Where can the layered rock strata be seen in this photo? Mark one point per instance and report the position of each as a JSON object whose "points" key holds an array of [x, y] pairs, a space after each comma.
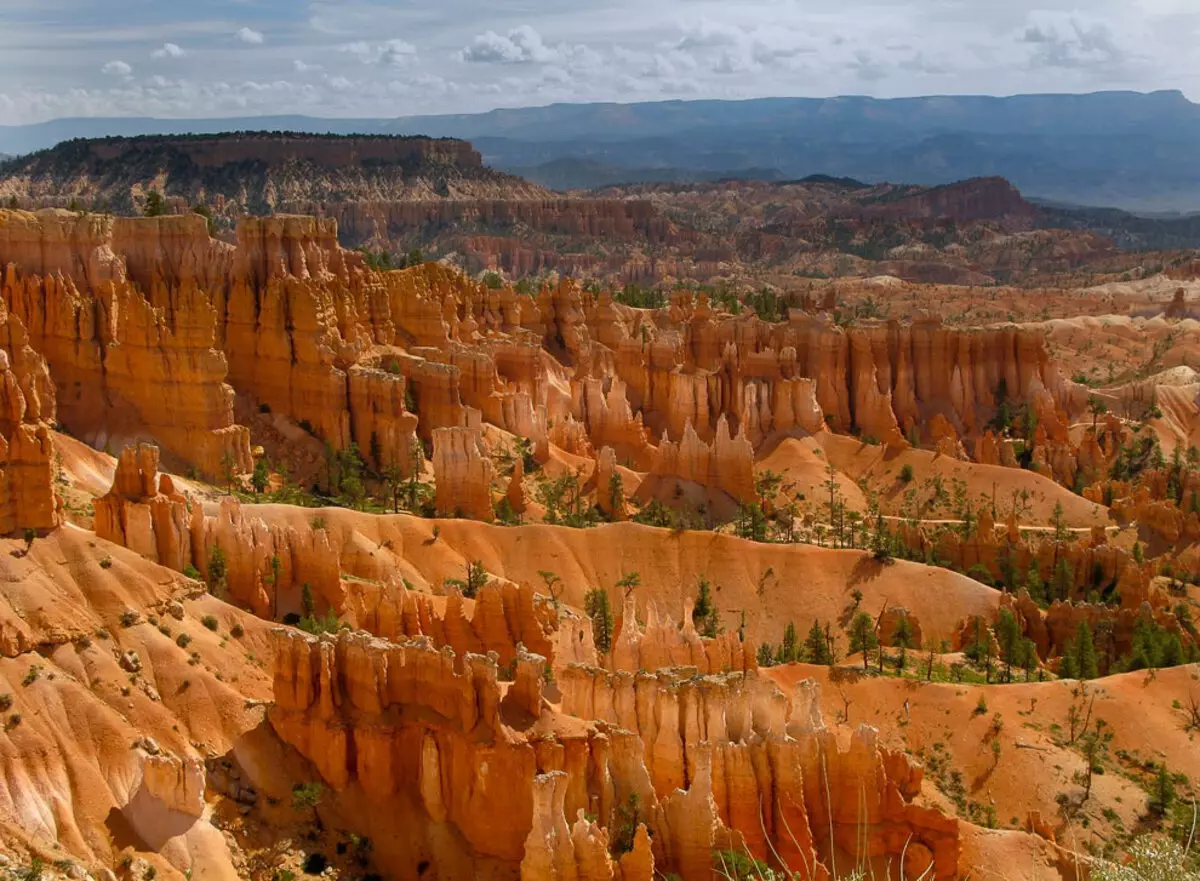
{"points": [[716, 762], [124, 312]]}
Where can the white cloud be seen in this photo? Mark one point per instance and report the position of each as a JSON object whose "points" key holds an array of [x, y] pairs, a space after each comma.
{"points": [[523, 45], [1069, 40], [482, 56], [168, 50], [726, 48], [389, 52]]}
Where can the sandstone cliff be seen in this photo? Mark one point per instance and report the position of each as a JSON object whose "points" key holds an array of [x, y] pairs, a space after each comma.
{"points": [[715, 762], [122, 311]]}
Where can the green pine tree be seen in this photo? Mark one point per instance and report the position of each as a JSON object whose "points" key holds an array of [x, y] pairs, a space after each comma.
{"points": [[1008, 634], [789, 649], [862, 635], [598, 607], [705, 616], [1035, 586], [1086, 664], [1064, 579], [816, 649]]}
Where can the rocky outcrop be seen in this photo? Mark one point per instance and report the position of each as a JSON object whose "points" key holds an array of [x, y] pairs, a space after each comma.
{"points": [[248, 550], [144, 512], [502, 618], [370, 183], [462, 473], [707, 762], [393, 717], [729, 764], [123, 312], [27, 407], [726, 464], [558, 851], [661, 643], [610, 491], [176, 782]]}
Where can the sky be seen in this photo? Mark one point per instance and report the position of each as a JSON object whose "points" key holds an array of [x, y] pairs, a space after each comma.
{"points": [[204, 58]]}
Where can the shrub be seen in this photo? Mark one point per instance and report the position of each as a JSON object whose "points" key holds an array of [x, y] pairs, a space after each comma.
{"points": [[190, 571], [217, 568], [6, 702], [31, 675], [106, 562], [317, 523], [1150, 858], [209, 621], [981, 706], [183, 640], [906, 474], [128, 618], [625, 825], [981, 574], [14, 720], [237, 631]]}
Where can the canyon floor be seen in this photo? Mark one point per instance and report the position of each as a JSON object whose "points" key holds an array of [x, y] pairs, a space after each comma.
{"points": [[317, 568]]}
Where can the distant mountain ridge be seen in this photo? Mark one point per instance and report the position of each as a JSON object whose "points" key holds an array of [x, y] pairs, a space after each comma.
{"points": [[255, 172], [1115, 149]]}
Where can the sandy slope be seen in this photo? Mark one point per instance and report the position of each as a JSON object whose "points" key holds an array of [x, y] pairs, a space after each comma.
{"points": [[68, 771], [943, 720], [881, 469], [798, 582]]}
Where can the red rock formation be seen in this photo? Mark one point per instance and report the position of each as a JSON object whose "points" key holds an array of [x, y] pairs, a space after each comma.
{"points": [[27, 405], [249, 547], [661, 643], [463, 473], [122, 311], [726, 464], [717, 762], [610, 494], [144, 513], [503, 617]]}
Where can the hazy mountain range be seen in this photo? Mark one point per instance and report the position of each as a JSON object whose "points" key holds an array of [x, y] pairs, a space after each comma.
{"points": [[1123, 149]]}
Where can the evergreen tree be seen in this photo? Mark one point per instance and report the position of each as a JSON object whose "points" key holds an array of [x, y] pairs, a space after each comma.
{"points": [[789, 649], [815, 646], [1085, 653], [766, 657], [1163, 794], [1064, 579], [1059, 521], [903, 638], [598, 607], [705, 616], [1029, 657], [862, 635], [1008, 634], [1035, 586], [156, 205], [261, 476]]}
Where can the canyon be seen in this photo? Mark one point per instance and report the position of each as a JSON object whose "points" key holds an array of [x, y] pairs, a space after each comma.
{"points": [[524, 581]]}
